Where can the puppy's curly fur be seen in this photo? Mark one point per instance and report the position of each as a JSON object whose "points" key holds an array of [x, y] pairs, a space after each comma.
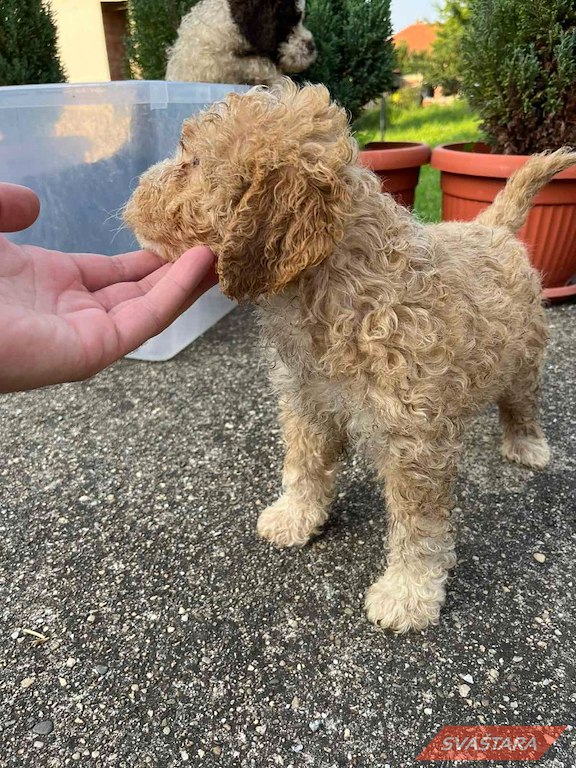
{"points": [[384, 331], [241, 41]]}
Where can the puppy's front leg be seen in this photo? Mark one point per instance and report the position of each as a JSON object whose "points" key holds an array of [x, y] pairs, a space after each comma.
{"points": [[310, 466], [418, 479]]}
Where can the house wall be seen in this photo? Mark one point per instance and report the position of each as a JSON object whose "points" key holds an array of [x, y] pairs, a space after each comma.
{"points": [[81, 40]]}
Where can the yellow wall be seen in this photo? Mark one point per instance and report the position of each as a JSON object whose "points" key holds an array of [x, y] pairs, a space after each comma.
{"points": [[81, 40]]}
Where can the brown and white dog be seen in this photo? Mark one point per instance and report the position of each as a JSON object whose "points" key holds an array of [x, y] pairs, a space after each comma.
{"points": [[384, 331], [241, 41]]}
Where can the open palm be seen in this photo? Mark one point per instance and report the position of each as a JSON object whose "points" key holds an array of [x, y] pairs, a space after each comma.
{"points": [[64, 316]]}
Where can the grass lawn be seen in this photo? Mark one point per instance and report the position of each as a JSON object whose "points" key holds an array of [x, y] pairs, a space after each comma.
{"points": [[432, 125]]}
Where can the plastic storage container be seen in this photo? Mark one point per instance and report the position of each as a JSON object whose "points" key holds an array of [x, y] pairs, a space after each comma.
{"points": [[82, 149]]}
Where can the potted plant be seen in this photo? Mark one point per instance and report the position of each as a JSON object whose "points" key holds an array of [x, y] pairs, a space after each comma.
{"points": [[398, 166], [519, 66]]}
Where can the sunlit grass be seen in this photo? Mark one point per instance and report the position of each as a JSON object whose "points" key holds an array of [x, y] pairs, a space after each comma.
{"points": [[432, 125]]}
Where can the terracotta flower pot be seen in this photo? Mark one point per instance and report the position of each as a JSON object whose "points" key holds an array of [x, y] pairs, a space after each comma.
{"points": [[398, 166], [470, 180]]}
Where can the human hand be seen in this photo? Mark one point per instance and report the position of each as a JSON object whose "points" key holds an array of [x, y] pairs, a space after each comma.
{"points": [[66, 316]]}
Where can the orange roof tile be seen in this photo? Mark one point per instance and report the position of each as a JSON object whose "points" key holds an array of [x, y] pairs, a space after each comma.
{"points": [[418, 36]]}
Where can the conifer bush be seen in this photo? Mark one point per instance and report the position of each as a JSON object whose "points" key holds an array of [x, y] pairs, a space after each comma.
{"points": [[519, 68], [355, 51], [28, 44]]}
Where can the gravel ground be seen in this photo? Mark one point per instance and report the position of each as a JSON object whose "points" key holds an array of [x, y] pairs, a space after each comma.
{"points": [[173, 637]]}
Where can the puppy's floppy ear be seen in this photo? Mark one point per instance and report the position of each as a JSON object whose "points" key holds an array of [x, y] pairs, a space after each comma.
{"points": [[293, 212], [285, 222]]}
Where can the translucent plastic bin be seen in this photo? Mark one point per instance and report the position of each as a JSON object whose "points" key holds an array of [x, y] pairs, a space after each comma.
{"points": [[82, 149]]}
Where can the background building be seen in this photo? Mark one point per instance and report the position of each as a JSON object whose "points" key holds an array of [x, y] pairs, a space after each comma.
{"points": [[91, 38]]}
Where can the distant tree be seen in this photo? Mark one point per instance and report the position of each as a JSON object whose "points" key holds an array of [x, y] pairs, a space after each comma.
{"points": [[446, 56], [355, 50], [153, 27], [412, 62], [28, 44]]}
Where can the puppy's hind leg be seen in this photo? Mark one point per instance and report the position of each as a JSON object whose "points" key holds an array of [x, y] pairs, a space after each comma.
{"points": [[310, 467], [418, 473], [523, 438]]}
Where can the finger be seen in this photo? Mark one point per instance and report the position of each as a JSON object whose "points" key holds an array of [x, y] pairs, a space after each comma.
{"points": [[139, 319], [208, 281], [99, 271], [117, 293], [19, 207]]}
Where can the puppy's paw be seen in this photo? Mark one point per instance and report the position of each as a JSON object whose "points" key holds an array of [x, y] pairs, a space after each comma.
{"points": [[530, 450], [399, 602], [287, 523]]}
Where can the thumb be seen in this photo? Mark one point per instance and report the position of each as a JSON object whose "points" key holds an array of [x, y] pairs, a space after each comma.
{"points": [[19, 207]]}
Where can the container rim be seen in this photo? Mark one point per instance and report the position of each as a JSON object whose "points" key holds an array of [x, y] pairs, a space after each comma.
{"points": [[157, 94], [473, 158]]}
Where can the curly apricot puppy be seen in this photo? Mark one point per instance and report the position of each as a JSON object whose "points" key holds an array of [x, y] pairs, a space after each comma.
{"points": [[385, 332]]}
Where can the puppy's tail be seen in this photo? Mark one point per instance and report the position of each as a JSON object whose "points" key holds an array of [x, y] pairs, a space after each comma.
{"points": [[512, 205]]}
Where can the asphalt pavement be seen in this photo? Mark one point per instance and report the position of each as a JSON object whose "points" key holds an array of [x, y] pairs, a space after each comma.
{"points": [[143, 623]]}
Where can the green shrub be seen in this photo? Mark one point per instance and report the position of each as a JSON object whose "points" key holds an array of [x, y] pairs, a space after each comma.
{"points": [[153, 28], [28, 44], [446, 56], [355, 52], [520, 72], [411, 62]]}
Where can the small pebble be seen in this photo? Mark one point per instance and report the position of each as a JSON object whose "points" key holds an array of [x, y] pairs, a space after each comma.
{"points": [[38, 744], [43, 728], [217, 750], [464, 690], [467, 678], [427, 711], [70, 662], [539, 557], [91, 618], [184, 755], [314, 725], [100, 669], [27, 682], [261, 729]]}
